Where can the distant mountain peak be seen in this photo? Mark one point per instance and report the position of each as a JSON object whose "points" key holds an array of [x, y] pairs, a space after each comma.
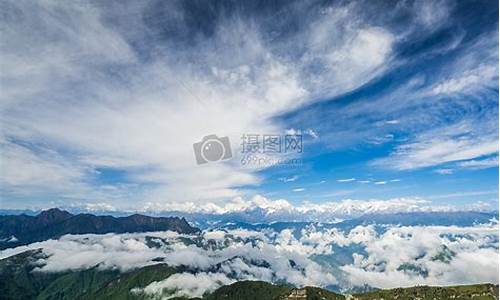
{"points": [[53, 215]]}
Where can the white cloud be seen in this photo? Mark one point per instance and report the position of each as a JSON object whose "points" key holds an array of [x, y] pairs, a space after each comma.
{"points": [[464, 194], [468, 80], [453, 143], [306, 132], [299, 189], [289, 179], [312, 133], [473, 164], [346, 180], [444, 171], [187, 285], [44, 169], [94, 207], [430, 14], [126, 251], [363, 55], [479, 163]]}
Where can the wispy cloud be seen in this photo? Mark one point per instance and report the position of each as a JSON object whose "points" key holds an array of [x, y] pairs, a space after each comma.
{"points": [[479, 163], [467, 81], [289, 179], [187, 284], [453, 143], [346, 180], [444, 171], [473, 164], [463, 194]]}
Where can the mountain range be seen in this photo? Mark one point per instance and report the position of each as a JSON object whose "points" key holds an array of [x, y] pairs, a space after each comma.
{"points": [[16, 230], [258, 217]]}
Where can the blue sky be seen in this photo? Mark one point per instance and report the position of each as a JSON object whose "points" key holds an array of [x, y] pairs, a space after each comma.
{"points": [[101, 103]]}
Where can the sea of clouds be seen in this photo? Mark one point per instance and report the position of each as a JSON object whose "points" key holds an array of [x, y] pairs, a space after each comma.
{"points": [[302, 257]]}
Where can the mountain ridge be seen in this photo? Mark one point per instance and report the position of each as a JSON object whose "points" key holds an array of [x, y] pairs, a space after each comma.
{"points": [[53, 223]]}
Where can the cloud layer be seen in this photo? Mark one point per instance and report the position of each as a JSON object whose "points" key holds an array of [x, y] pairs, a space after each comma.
{"points": [[378, 256]]}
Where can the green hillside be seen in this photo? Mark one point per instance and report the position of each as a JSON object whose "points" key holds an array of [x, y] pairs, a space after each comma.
{"points": [[314, 293], [75, 284], [19, 280], [249, 290], [120, 287], [465, 292]]}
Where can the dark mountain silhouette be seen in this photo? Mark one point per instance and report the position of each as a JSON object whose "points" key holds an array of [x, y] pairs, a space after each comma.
{"points": [[53, 223]]}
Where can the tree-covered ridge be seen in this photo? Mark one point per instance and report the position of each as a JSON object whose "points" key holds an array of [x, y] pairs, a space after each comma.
{"points": [[463, 292]]}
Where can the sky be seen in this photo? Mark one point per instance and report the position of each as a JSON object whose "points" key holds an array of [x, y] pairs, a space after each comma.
{"points": [[393, 101]]}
